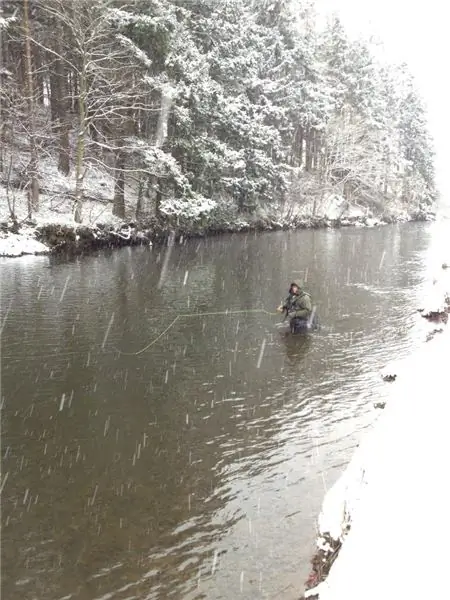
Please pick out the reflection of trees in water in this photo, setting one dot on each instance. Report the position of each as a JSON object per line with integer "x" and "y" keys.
{"x": 250, "y": 272}
{"x": 48, "y": 419}
{"x": 414, "y": 240}
{"x": 160, "y": 486}
{"x": 189, "y": 282}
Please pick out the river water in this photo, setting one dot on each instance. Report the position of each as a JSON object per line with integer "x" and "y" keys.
{"x": 195, "y": 467}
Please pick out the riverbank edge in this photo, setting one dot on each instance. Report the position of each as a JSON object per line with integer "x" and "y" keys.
{"x": 329, "y": 544}
{"x": 55, "y": 238}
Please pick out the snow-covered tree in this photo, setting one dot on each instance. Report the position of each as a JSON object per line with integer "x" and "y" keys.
{"x": 201, "y": 104}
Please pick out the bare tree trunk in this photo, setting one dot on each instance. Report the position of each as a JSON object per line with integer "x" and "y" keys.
{"x": 385, "y": 179}
{"x": 2, "y": 125}
{"x": 314, "y": 150}
{"x": 300, "y": 147}
{"x": 38, "y": 75}
{"x": 81, "y": 143}
{"x": 11, "y": 201}
{"x": 317, "y": 148}
{"x": 62, "y": 111}
{"x": 161, "y": 135}
{"x": 119, "y": 186}
{"x": 308, "y": 151}
{"x": 33, "y": 185}
{"x": 64, "y": 147}
{"x": 139, "y": 197}
{"x": 158, "y": 199}
{"x": 54, "y": 97}
{"x": 295, "y": 147}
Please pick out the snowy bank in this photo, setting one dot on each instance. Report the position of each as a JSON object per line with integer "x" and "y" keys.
{"x": 53, "y": 224}
{"x": 53, "y": 229}
{"x": 385, "y": 525}
{"x": 51, "y": 237}
{"x": 18, "y": 244}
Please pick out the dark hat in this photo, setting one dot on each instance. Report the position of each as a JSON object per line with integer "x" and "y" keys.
{"x": 294, "y": 285}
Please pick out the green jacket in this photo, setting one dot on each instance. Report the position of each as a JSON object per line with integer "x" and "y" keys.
{"x": 298, "y": 305}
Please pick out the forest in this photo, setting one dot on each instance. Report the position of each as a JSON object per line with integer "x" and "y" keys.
{"x": 204, "y": 110}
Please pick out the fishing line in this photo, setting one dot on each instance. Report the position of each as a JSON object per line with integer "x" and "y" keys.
{"x": 67, "y": 355}
{"x": 189, "y": 315}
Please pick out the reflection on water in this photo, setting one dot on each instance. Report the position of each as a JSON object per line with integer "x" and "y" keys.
{"x": 195, "y": 469}
{"x": 296, "y": 346}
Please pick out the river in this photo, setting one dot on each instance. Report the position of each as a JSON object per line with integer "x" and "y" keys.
{"x": 194, "y": 468}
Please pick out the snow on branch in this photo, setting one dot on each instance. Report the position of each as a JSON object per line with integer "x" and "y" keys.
{"x": 134, "y": 50}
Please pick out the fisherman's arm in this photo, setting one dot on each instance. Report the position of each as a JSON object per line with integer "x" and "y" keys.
{"x": 284, "y": 306}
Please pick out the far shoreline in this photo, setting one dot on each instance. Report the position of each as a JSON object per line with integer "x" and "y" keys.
{"x": 32, "y": 238}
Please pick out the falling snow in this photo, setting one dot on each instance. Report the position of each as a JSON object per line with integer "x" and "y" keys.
{"x": 163, "y": 404}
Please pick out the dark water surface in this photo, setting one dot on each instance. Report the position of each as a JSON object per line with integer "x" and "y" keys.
{"x": 197, "y": 468}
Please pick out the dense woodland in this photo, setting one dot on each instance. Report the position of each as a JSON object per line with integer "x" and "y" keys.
{"x": 201, "y": 106}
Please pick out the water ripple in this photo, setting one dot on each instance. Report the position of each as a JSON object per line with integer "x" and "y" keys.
{"x": 195, "y": 469}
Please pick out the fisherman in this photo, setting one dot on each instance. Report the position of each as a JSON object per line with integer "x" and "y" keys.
{"x": 299, "y": 308}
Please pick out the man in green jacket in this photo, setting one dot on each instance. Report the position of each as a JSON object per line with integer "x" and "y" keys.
{"x": 299, "y": 308}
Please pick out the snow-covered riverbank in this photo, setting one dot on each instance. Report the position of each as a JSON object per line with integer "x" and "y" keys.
{"x": 53, "y": 229}
{"x": 385, "y": 525}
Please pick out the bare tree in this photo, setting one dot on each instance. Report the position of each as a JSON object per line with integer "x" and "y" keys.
{"x": 109, "y": 74}
{"x": 33, "y": 184}
{"x": 2, "y": 77}
{"x": 59, "y": 98}
{"x": 354, "y": 162}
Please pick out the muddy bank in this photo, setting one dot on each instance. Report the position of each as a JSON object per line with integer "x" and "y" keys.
{"x": 82, "y": 239}
{"x": 33, "y": 238}
{"x": 321, "y": 564}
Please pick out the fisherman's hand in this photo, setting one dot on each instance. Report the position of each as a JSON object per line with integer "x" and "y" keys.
{"x": 280, "y": 308}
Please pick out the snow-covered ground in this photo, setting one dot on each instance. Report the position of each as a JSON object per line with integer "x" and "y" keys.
{"x": 52, "y": 212}
{"x": 18, "y": 244}
{"x": 55, "y": 205}
{"x": 394, "y": 494}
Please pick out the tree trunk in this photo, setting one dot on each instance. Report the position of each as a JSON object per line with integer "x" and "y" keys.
{"x": 300, "y": 146}
{"x": 405, "y": 188}
{"x": 64, "y": 149}
{"x": 308, "y": 151}
{"x": 158, "y": 199}
{"x": 314, "y": 150}
{"x": 62, "y": 111}
{"x": 152, "y": 204}
{"x": 119, "y": 186}
{"x": 39, "y": 87}
{"x": 2, "y": 125}
{"x": 75, "y": 92}
{"x": 385, "y": 179}
{"x": 79, "y": 175}
{"x": 319, "y": 155}
{"x": 54, "y": 97}
{"x": 139, "y": 198}
{"x": 33, "y": 184}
